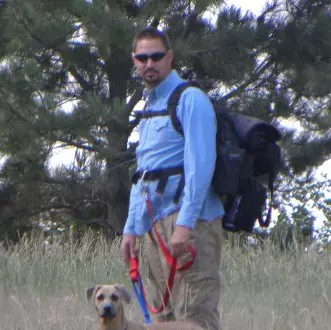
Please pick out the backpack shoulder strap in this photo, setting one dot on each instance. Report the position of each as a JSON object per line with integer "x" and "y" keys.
{"x": 173, "y": 103}
{"x": 135, "y": 98}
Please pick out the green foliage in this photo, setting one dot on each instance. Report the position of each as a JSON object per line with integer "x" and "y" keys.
{"x": 302, "y": 203}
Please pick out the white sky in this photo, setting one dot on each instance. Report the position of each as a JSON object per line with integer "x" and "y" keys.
{"x": 254, "y": 6}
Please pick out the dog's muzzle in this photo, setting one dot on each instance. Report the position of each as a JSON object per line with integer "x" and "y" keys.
{"x": 108, "y": 310}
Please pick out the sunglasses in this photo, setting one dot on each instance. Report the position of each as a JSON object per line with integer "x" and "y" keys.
{"x": 155, "y": 57}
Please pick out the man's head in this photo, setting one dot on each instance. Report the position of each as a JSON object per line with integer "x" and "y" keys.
{"x": 152, "y": 56}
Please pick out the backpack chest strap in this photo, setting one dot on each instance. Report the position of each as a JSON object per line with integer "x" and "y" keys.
{"x": 150, "y": 113}
{"x": 145, "y": 114}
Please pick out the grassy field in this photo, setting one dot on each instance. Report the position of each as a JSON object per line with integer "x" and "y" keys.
{"x": 261, "y": 289}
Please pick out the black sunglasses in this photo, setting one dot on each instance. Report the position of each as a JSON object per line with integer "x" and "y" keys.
{"x": 155, "y": 57}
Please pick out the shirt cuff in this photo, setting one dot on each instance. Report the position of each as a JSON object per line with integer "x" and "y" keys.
{"x": 129, "y": 230}
{"x": 189, "y": 215}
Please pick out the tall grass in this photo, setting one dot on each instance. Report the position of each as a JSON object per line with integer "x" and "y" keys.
{"x": 43, "y": 288}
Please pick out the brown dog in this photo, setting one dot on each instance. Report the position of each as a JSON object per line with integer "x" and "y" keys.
{"x": 108, "y": 301}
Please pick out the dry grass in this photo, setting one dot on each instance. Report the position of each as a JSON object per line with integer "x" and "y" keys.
{"x": 44, "y": 288}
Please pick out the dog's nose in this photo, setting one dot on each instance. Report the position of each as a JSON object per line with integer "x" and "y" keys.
{"x": 107, "y": 310}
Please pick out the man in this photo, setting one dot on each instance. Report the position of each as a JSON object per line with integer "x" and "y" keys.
{"x": 195, "y": 218}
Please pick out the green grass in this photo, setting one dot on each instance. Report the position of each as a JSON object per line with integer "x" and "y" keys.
{"x": 44, "y": 288}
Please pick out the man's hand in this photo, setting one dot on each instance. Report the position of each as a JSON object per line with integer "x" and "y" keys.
{"x": 179, "y": 241}
{"x": 128, "y": 247}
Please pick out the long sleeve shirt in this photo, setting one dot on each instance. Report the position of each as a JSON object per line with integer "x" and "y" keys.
{"x": 161, "y": 146}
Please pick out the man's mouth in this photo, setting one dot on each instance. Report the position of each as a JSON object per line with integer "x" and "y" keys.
{"x": 149, "y": 72}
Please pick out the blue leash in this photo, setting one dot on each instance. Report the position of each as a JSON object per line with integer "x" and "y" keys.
{"x": 139, "y": 292}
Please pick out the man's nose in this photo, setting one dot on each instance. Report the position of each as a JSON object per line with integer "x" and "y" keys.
{"x": 149, "y": 63}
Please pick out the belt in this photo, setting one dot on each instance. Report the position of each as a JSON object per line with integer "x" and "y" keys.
{"x": 162, "y": 175}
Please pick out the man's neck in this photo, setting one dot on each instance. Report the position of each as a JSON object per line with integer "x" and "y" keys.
{"x": 149, "y": 87}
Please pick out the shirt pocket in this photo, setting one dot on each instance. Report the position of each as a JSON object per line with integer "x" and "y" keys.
{"x": 160, "y": 129}
{"x": 161, "y": 123}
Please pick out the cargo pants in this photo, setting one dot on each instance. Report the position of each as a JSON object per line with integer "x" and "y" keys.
{"x": 195, "y": 296}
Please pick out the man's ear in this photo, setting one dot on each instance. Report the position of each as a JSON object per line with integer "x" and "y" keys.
{"x": 171, "y": 56}
{"x": 133, "y": 58}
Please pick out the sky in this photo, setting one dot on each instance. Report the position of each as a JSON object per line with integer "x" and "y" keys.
{"x": 254, "y": 6}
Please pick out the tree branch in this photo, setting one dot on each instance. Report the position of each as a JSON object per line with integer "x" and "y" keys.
{"x": 79, "y": 145}
{"x": 190, "y": 23}
{"x": 16, "y": 112}
{"x": 263, "y": 67}
{"x": 25, "y": 212}
{"x": 79, "y": 78}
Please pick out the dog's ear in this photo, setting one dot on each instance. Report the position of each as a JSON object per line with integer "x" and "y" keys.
{"x": 124, "y": 292}
{"x": 91, "y": 291}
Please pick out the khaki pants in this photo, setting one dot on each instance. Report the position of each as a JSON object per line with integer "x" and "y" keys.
{"x": 196, "y": 293}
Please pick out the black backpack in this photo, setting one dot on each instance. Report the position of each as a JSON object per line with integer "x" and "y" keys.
{"x": 246, "y": 150}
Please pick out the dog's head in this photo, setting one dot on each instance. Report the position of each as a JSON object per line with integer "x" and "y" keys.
{"x": 108, "y": 299}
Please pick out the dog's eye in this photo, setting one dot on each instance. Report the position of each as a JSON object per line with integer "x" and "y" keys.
{"x": 114, "y": 297}
{"x": 100, "y": 297}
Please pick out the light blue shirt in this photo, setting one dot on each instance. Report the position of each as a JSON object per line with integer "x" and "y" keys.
{"x": 161, "y": 146}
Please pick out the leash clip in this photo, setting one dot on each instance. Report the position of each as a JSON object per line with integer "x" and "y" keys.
{"x": 143, "y": 175}
{"x": 144, "y": 188}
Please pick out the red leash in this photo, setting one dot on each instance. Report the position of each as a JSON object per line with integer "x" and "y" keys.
{"x": 135, "y": 277}
{"x": 171, "y": 261}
